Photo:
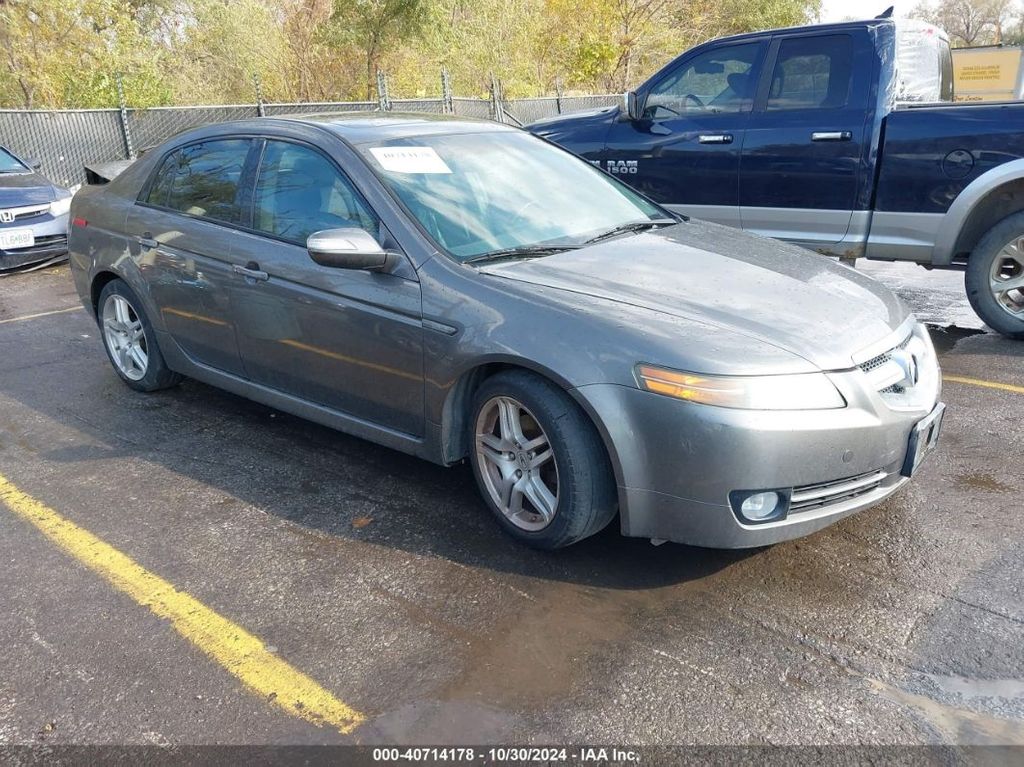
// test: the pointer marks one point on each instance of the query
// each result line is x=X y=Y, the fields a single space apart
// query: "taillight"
x=79 y=221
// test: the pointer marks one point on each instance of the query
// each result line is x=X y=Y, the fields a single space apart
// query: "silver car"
x=33 y=215
x=462 y=290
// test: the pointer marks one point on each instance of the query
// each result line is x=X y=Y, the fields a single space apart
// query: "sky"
x=837 y=10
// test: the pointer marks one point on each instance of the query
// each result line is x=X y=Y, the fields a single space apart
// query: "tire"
x=999 y=254
x=581 y=497
x=126 y=330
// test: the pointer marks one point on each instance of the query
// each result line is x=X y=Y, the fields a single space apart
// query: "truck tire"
x=995 y=277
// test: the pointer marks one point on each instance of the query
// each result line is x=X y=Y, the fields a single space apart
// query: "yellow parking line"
x=986 y=384
x=234 y=648
x=41 y=314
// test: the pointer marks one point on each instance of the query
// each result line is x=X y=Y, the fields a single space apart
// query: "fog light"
x=760 y=506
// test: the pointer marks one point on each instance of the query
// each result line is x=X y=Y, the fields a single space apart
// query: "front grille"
x=824 y=494
x=21 y=214
x=877 y=362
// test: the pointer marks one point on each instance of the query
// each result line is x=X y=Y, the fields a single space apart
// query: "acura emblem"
x=6 y=216
x=909 y=365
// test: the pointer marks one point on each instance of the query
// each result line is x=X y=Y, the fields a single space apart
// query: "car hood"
x=777 y=294
x=18 y=189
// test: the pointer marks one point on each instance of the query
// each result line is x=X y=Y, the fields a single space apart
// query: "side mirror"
x=349 y=248
x=33 y=163
x=631 y=105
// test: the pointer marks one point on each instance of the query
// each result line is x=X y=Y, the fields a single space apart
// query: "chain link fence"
x=64 y=141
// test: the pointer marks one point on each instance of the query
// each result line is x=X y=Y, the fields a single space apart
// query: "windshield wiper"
x=526 y=251
x=636 y=226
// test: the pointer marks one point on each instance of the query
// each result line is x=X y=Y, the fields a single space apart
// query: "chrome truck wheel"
x=995 y=277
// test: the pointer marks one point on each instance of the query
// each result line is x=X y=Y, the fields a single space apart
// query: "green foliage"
x=69 y=53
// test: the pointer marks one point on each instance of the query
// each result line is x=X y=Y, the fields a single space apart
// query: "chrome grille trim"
x=27 y=211
x=827 y=493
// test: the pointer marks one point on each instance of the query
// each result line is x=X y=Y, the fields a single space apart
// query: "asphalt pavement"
x=382 y=582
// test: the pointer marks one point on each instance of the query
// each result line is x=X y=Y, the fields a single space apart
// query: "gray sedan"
x=463 y=290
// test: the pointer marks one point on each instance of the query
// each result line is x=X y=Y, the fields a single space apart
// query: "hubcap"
x=125 y=337
x=517 y=463
x=1007 y=278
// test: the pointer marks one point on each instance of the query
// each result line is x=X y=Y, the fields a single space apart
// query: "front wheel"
x=995 y=277
x=130 y=340
x=539 y=462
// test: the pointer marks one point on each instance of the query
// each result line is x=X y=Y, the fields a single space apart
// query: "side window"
x=161 y=185
x=719 y=80
x=202 y=179
x=812 y=73
x=299 y=191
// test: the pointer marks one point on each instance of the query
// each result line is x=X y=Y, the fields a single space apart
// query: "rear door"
x=684 y=152
x=183 y=227
x=805 y=154
x=346 y=339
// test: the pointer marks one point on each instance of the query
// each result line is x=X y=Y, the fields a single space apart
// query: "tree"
x=373 y=27
x=969 y=22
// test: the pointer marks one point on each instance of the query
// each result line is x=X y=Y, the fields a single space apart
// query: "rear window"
x=812 y=73
x=9 y=163
x=202 y=179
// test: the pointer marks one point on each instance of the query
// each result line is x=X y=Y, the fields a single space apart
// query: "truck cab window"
x=812 y=73
x=719 y=80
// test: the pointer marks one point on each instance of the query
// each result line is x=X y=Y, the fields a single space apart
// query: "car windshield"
x=9 y=163
x=484 y=193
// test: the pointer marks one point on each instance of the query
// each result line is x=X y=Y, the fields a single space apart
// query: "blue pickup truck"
x=804 y=134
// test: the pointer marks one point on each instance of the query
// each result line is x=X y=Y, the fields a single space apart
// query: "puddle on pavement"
x=956 y=725
x=984 y=482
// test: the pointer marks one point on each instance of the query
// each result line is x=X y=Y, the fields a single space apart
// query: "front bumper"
x=677 y=462
x=51 y=235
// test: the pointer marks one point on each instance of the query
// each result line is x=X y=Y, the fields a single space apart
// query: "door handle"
x=715 y=138
x=833 y=135
x=147 y=241
x=250 y=271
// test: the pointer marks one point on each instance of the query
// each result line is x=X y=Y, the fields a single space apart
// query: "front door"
x=803 y=157
x=684 y=152
x=181 y=230
x=345 y=339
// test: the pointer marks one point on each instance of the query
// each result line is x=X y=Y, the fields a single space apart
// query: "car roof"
x=359 y=128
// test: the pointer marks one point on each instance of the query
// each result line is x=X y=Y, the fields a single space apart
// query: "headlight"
x=807 y=391
x=60 y=207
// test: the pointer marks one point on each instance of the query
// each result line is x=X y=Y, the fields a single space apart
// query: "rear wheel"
x=539 y=462
x=130 y=340
x=995 y=277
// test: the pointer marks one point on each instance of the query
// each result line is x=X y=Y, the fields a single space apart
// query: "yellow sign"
x=986 y=74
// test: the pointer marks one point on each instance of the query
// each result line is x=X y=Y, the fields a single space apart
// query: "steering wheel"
x=695 y=100
x=529 y=204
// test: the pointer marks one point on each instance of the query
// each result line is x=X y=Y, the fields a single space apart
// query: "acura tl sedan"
x=33 y=215
x=458 y=289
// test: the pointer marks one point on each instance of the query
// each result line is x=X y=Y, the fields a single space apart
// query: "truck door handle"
x=715 y=138
x=251 y=271
x=147 y=241
x=832 y=135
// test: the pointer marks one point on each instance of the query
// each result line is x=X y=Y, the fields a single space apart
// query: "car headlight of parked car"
x=805 y=391
x=60 y=207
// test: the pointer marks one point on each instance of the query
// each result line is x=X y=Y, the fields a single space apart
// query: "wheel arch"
x=986 y=201
x=455 y=412
x=100 y=280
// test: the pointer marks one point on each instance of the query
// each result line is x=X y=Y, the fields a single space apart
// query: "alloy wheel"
x=125 y=337
x=1006 y=278
x=517 y=463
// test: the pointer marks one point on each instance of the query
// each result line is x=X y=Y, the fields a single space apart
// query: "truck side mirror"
x=631 y=105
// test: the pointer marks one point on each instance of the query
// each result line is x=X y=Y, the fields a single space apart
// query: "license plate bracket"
x=923 y=439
